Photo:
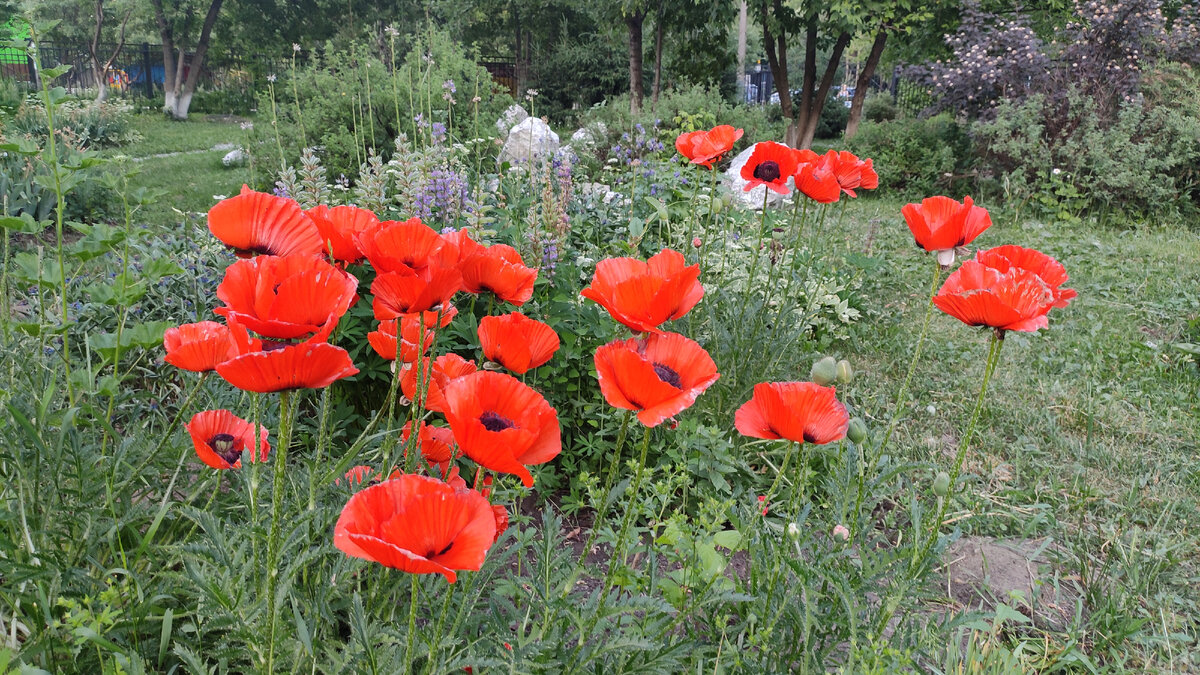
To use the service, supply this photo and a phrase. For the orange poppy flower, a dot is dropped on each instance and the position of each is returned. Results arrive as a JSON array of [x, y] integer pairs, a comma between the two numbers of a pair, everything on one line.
[[499, 269], [445, 369], [642, 295], [310, 365], [979, 295], [1052, 272], [285, 298], [940, 224], [406, 246], [502, 424], [398, 293], [201, 347], [436, 444], [852, 173], [798, 411], [340, 228], [358, 475], [770, 164], [817, 182], [418, 525], [707, 147], [659, 376], [461, 240], [516, 341], [219, 438], [256, 222], [384, 339]]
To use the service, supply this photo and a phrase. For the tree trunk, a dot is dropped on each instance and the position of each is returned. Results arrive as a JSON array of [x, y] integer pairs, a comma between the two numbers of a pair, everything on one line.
[[636, 91], [177, 93], [776, 46], [658, 51], [795, 131], [864, 81], [102, 68], [809, 128], [741, 53], [185, 99], [166, 34]]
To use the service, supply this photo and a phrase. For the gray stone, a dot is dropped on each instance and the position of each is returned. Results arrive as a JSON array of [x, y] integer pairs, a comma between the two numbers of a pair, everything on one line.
[[511, 117], [235, 157], [531, 140]]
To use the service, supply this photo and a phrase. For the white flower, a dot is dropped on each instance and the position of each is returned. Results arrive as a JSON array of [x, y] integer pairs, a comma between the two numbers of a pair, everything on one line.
[[271, 77], [1057, 171], [295, 46]]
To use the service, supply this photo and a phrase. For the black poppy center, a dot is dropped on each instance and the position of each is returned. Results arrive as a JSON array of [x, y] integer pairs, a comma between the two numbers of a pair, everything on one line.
[[767, 171], [432, 553], [668, 375], [272, 345], [225, 447], [495, 421], [809, 437]]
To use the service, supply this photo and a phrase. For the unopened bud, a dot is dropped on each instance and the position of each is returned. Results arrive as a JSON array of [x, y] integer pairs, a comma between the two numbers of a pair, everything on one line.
[[844, 372], [941, 484], [697, 242], [857, 431], [824, 371], [793, 530]]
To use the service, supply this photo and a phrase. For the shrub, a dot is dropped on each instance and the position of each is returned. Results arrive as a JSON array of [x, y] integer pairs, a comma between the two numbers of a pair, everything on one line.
[[225, 102], [880, 107], [11, 95], [834, 116], [82, 124], [351, 101], [918, 157]]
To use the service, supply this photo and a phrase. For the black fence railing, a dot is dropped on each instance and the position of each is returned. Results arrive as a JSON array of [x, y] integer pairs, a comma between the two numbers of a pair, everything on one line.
[[910, 96]]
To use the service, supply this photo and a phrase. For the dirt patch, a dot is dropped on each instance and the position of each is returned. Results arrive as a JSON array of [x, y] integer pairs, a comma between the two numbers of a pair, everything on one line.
[[983, 572]]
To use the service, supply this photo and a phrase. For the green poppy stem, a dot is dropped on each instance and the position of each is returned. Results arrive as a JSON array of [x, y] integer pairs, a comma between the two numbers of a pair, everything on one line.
[[287, 411]]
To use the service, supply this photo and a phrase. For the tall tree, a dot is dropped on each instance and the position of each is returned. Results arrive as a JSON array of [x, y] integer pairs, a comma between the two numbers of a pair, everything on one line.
[[175, 28], [894, 17], [99, 67], [634, 14]]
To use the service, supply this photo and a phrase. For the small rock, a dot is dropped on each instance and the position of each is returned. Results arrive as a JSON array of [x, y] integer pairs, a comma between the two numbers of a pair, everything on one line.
[[235, 157]]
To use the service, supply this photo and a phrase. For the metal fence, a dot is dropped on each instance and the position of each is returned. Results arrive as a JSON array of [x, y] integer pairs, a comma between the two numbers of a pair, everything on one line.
[[908, 95], [137, 69]]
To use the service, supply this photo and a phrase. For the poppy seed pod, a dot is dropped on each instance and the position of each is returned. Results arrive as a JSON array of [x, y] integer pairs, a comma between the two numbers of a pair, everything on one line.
[[857, 431], [941, 484], [844, 372], [824, 371]]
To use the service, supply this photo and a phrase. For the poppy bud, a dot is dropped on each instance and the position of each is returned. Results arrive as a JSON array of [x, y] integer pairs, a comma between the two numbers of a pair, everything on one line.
[[941, 484], [857, 431], [844, 372], [793, 530], [824, 371], [697, 242]]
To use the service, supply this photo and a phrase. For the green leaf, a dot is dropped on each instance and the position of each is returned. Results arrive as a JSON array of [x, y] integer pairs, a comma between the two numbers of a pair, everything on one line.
[[157, 268], [26, 268], [122, 290], [55, 72], [98, 239], [146, 335], [1006, 613], [729, 539], [23, 224], [23, 146]]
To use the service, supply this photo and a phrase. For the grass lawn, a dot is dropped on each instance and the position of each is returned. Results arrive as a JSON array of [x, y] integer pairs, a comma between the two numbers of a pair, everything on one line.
[[189, 172]]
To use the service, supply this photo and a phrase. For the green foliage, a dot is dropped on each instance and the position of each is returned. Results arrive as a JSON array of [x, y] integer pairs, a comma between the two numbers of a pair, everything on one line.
[[230, 101], [834, 116], [11, 95], [916, 157], [1143, 163], [80, 124], [880, 107]]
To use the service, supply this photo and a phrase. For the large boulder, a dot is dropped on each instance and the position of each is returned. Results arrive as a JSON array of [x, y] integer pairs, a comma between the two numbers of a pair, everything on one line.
[[511, 117], [736, 184], [531, 140]]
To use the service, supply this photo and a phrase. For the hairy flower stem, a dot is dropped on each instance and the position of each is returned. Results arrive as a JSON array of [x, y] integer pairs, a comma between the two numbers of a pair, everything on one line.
[[602, 509], [296, 99], [287, 411], [412, 625], [903, 393], [762, 227], [787, 457], [322, 441], [993, 359], [275, 126]]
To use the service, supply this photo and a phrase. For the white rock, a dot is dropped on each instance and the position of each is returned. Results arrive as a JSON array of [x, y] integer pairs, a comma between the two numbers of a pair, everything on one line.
[[754, 198], [532, 139], [235, 157], [511, 117]]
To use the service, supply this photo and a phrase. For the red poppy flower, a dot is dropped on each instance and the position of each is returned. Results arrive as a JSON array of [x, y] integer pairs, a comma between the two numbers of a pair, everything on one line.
[[461, 240], [707, 147], [1052, 272], [659, 376], [852, 173], [817, 182], [445, 369], [417, 524], [398, 293], [384, 339], [285, 298], [499, 269], [436, 444], [770, 164], [255, 222], [201, 347], [407, 246], [340, 227], [358, 475], [502, 424], [798, 411], [979, 295], [642, 295], [219, 438], [310, 365], [940, 224], [516, 341]]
